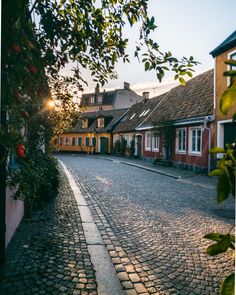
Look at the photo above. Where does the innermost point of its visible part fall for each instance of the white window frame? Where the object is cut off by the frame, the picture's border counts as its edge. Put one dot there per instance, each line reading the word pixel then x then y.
pixel 191 152
pixel 177 150
pixel 71 140
pixel 228 66
pixel 84 123
pixel 92 99
pixel 66 142
pixel 127 140
pixel 101 122
pixel 148 141
pixel 154 138
pixel 99 98
pixel 132 116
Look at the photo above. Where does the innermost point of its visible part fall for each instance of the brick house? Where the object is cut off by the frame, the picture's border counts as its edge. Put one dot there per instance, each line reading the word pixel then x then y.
pixel 188 113
pixel 92 133
pixel 127 127
pixel 225 128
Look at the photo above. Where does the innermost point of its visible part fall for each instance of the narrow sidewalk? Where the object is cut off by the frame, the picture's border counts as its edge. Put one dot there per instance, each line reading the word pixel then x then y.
pixel 50 255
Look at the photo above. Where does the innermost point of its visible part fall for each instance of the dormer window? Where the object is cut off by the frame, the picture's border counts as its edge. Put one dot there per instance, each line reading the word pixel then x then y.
pixel 99 98
pixel 92 99
pixel 84 123
pixel 100 122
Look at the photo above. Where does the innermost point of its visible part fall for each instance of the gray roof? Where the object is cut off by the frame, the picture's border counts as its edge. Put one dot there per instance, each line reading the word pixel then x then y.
pixel 108 98
pixel 227 44
pixel 112 118
pixel 195 99
pixel 137 114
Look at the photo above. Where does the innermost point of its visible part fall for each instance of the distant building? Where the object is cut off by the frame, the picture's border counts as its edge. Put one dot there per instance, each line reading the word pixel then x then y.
pixel 109 100
pixel 92 133
pixel 225 128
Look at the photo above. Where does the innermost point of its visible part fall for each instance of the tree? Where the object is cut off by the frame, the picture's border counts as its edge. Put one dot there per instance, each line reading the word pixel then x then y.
pixel 40 39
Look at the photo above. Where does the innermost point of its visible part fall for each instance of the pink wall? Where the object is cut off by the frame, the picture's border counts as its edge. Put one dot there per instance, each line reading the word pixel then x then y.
pixel 14 214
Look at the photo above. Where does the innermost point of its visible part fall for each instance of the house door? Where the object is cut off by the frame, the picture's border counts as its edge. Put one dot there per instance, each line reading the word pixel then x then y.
pixel 229 133
pixel 139 147
pixel 103 145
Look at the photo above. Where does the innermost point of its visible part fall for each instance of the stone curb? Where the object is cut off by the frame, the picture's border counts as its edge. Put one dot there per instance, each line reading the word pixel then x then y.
pixel 107 280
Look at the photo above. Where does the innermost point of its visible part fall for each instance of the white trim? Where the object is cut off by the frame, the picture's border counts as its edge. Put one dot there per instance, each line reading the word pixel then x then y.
pixel 228 66
pixel 214 95
pixel 220 134
pixel 177 151
pixel 190 152
pixel 146 147
pixel 153 142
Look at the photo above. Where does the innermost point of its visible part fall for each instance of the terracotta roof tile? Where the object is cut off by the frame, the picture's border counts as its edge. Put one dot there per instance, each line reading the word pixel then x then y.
pixel 195 99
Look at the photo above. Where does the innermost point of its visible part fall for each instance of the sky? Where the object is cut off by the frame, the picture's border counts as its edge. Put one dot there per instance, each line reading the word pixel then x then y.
pixel 185 27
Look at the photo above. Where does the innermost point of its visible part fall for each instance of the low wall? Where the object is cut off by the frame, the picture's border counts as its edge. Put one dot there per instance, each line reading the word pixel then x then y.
pixel 14 214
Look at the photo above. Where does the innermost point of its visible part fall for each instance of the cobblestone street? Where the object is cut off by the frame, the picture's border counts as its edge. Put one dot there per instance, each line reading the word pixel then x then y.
pixel 153 227
pixel 50 255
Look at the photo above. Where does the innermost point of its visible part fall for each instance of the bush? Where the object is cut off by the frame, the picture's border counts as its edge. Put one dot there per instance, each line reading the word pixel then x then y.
pixel 37 180
pixel 116 147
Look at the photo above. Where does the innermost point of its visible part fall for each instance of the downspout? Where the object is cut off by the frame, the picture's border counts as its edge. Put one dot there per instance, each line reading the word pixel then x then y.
pixel 206 120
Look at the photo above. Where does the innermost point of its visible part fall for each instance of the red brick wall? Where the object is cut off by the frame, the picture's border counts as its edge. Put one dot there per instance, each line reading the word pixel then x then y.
pixel 183 159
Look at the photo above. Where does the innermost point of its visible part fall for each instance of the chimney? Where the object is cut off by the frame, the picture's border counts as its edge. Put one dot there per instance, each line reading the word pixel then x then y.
pixel 126 86
pixel 97 89
pixel 146 95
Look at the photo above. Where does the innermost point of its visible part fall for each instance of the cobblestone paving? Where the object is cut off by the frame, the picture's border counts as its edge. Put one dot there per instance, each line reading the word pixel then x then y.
pixel 50 256
pixel 153 227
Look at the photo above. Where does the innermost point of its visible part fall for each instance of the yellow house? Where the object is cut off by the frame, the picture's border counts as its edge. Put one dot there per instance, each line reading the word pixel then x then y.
pixel 92 134
pixel 225 127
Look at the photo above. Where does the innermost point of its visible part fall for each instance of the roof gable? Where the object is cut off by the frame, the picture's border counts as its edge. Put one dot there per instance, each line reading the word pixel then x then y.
pixel 227 44
pixel 137 114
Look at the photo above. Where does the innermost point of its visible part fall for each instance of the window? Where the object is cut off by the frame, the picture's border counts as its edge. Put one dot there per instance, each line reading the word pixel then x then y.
pixel 92 99
pixel 73 141
pixel 142 113
pixel 195 140
pixel 60 141
pixel 127 140
pixel 99 98
pixel 87 141
pixel 132 116
pixel 155 141
pixel 148 140
pixel 146 112
pixel 181 140
pixel 100 122
pixel 84 123
pixel 231 55
pixel 66 140
pixel 79 141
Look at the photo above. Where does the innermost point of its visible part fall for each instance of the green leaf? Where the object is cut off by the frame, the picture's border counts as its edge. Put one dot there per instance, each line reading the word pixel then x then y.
pixel 190 74
pixel 182 81
pixel 228 99
pixel 216 172
pixel 147 66
pixel 231 62
pixel 213 236
pixel 227 287
pixel 220 247
pixel 216 150
pixel 223 187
